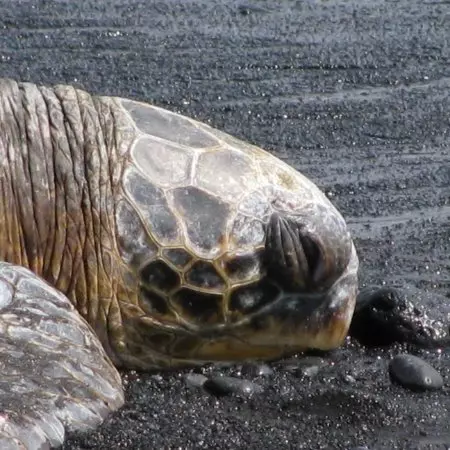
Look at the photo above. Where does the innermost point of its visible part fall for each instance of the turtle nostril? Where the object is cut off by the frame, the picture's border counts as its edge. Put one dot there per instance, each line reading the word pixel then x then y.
pixel 293 256
pixel 313 257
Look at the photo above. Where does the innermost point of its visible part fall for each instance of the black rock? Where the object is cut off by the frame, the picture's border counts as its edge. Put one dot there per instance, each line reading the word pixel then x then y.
pixel 384 316
pixel 223 385
pixel 414 373
pixel 245 10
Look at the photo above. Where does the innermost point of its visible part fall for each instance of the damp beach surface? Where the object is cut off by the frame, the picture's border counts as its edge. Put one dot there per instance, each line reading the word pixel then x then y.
pixel 355 95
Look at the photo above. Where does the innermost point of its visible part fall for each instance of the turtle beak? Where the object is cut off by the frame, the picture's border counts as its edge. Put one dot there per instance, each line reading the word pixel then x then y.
pixel 298 322
pixel 292 324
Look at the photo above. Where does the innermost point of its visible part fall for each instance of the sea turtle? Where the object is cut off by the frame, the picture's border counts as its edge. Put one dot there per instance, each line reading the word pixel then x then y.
pixel 134 237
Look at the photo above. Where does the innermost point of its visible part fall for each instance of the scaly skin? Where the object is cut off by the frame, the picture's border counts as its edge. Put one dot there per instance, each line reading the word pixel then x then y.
pixel 61 155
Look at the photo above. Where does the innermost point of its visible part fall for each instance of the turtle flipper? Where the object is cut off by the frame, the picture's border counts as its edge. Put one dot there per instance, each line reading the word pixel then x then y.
pixel 54 373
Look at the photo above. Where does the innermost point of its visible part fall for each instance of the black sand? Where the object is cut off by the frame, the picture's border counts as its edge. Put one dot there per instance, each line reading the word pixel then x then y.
pixel 355 94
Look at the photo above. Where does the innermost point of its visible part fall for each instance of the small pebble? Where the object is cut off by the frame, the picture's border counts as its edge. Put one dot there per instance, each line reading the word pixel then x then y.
pixel 222 385
pixel 414 373
pixel 349 379
pixel 310 371
pixel 195 380
pixel 253 370
pixel 307 367
pixel 245 10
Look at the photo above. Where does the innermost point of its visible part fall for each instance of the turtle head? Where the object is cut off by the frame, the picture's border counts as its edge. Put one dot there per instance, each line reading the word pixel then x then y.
pixel 294 290
pixel 230 254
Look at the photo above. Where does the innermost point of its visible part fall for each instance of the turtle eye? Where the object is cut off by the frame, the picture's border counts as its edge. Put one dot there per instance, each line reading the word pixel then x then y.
pixel 294 257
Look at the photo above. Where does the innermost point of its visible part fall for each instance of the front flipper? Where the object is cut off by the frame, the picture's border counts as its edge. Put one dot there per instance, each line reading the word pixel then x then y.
pixel 54 373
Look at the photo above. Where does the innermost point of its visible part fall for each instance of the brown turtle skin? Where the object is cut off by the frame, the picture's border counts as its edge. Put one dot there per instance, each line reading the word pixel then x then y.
pixel 179 244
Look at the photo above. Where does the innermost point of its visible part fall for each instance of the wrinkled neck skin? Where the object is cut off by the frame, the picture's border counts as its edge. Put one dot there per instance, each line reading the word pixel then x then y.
pixel 61 155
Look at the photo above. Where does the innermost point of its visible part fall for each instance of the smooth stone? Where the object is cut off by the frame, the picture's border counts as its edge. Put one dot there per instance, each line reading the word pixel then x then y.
pixel 349 379
pixel 414 373
pixel 195 380
pixel 307 366
pixel 247 9
pixel 223 385
pixel 310 371
pixel 256 370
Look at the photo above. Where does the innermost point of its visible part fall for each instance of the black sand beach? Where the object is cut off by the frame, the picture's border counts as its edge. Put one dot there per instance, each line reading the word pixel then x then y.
pixel 354 94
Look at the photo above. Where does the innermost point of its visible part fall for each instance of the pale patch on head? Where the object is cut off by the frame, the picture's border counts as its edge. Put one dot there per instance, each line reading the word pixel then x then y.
pixel 246 233
pixel 166 164
pixel 227 173
pixel 279 175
